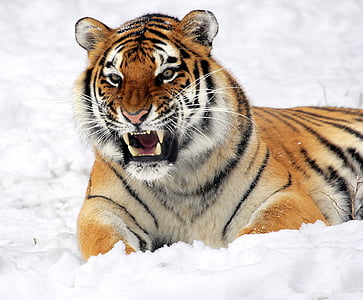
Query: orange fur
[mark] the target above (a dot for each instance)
(285, 213)
(96, 238)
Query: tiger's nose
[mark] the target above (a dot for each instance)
(135, 117)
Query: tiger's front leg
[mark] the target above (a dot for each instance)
(100, 227)
(289, 210)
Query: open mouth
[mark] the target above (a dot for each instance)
(150, 145)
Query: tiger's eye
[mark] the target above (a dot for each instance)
(115, 79)
(167, 74)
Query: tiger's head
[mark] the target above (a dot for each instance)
(152, 98)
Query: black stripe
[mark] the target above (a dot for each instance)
(159, 242)
(312, 163)
(184, 86)
(136, 23)
(159, 48)
(220, 177)
(135, 195)
(239, 92)
(346, 129)
(309, 119)
(164, 104)
(132, 37)
(197, 85)
(105, 82)
(288, 184)
(320, 117)
(255, 154)
(93, 127)
(338, 181)
(332, 177)
(183, 67)
(121, 207)
(87, 83)
(209, 80)
(158, 33)
(293, 162)
(171, 60)
(161, 18)
(184, 54)
(100, 105)
(180, 75)
(149, 20)
(137, 37)
(188, 105)
(265, 115)
(348, 111)
(155, 41)
(277, 115)
(191, 106)
(334, 124)
(262, 114)
(358, 215)
(133, 34)
(161, 26)
(101, 92)
(210, 94)
(356, 156)
(330, 146)
(102, 60)
(142, 242)
(184, 50)
(95, 84)
(97, 129)
(111, 107)
(247, 192)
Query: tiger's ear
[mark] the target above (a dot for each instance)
(89, 32)
(200, 25)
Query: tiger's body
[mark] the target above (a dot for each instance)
(181, 155)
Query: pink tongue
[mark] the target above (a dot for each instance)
(148, 141)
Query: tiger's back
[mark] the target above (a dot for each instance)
(321, 147)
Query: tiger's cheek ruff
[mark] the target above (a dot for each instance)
(90, 118)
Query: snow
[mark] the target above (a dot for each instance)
(285, 53)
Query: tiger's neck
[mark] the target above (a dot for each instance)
(205, 173)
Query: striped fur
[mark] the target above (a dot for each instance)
(180, 153)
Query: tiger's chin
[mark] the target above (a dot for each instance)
(149, 171)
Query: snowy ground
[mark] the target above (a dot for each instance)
(285, 53)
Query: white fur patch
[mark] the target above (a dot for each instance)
(148, 171)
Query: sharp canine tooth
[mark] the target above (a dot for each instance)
(158, 149)
(133, 151)
(126, 138)
(160, 136)
(148, 131)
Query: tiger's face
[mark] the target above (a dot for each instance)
(147, 99)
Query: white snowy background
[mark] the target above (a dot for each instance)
(284, 53)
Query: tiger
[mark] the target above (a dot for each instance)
(182, 155)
